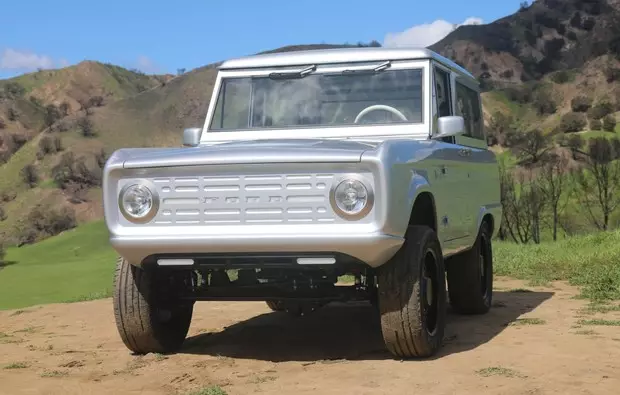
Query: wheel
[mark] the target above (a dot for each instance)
(275, 305)
(146, 320)
(470, 276)
(412, 296)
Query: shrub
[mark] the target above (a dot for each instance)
(507, 74)
(12, 114)
(2, 124)
(544, 101)
(609, 123)
(30, 175)
(589, 23)
(96, 101)
(58, 144)
(64, 108)
(2, 214)
(2, 252)
(8, 196)
(561, 29)
(86, 127)
(575, 21)
(596, 124)
(561, 77)
(581, 104)
(45, 221)
(46, 145)
(600, 110)
(612, 74)
(52, 114)
(572, 122)
(13, 89)
(572, 36)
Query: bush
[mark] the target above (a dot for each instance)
(13, 90)
(12, 114)
(575, 21)
(52, 114)
(86, 127)
(58, 144)
(609, 123)
(572, 36)
(2, 252)
(2, 214)
(581, 104)
(70, 172)
(46, 146)
(600, 110)
(44, 222)
(595, 124)
(507, 74)
(64, 108)
(8, 196)
(572, 122)
(562, 77)
(612, 74)
(561, 29)
(2, 124)
(588, 24)
(30, 175)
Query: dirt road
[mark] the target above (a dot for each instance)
(530, 343)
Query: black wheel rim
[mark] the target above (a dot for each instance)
(484, 266)
(430, 292)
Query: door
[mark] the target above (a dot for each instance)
(448, 182)
(478, 161)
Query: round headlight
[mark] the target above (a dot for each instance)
(351, 199)
(137, 203)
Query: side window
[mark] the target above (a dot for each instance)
(468, 106)
(442, 93)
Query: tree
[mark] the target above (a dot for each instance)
(52, 114)
(581, 104)
(30, 175)
(599, 181)
(596, 124)
(572, 122)
(46, 146)
(531, 147)
(2, 214)
(86, 127)
(64, 108)
(600, 110)
(553, 184)
(609, 123)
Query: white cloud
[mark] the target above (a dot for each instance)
(12, 59)
(146, 65)
(425, 34)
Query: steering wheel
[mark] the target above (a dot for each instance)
(379, 107)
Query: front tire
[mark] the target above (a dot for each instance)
(470, 276)
(412, 296)
(146, 321)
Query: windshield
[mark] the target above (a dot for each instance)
(318, 100)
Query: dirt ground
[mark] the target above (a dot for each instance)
(530, 343)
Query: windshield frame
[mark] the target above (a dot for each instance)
(420, 129)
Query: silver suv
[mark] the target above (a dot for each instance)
(312, 165)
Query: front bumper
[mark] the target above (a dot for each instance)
(373, 249)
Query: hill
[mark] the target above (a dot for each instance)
(551, 66)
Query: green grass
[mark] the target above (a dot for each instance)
(210, 390)
(74, 266)
(590, 262)
(599, 322)
(498, 371)
(16, 365)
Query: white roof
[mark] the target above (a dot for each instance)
(339, 55)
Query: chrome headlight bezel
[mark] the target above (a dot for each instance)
(154, 206)
(370, 197)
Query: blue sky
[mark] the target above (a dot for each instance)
(161, 36)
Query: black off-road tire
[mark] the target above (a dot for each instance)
(470, 276)
(413, 321)
(144, 321)
(275, 305)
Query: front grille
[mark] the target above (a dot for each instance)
(244, 200)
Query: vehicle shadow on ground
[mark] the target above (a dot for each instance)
(350, 332)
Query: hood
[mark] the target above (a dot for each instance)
(253, 151)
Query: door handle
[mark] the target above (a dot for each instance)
(465, 152)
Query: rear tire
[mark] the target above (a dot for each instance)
(470, 276)
(412, 296)
(145, 321)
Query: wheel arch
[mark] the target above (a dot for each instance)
(424, 211)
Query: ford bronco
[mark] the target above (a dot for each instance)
(312, 165)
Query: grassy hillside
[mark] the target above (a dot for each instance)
(73, 266)
(79, 265)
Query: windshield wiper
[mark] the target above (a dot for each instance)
(293, 74)
(370, 69)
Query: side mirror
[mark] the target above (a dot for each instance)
(191, 137)
(450, 126)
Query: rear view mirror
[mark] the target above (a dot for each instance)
(450, 126)
(191, 137)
